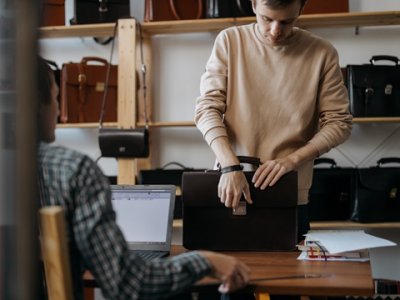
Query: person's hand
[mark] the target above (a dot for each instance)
(231, 187)
(233, 273)
(271, 171)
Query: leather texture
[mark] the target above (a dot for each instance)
(53, 13)
(168, 10)
(377, 194)
(374, 89)
(228, 9)
(100, 11)
(331, 192)
(269, 224)
(324, 6)
(124, 143)
(82, 90)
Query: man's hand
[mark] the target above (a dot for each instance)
(271, 171)
(231, 187)
(233, 273)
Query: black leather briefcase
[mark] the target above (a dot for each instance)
(269, 224)
(374, 90)
(331, 192)
(377, 193)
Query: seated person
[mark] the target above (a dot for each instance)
(72, 180)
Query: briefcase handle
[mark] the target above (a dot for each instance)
(323, 160)
(388, 160)
(376, 58)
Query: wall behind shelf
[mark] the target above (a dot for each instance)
(178, 62)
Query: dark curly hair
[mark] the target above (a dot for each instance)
(44, 80)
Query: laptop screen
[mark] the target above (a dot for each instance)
(145, 215)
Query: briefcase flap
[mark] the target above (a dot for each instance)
(380, 179)
(206, 194)
(94, 75)
(326, 181)
(374, 76)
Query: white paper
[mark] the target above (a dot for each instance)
(336, 241)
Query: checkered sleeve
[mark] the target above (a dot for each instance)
(120, 273)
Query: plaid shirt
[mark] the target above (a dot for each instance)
(72, 180)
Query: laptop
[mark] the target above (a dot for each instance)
(145, 216)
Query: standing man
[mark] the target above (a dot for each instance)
(273, 91)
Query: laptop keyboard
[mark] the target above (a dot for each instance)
(150, 255)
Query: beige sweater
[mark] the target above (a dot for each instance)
(271, 100)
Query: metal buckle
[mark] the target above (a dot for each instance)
(241, 210)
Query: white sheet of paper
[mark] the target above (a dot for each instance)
(336, 241)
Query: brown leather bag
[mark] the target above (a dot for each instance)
(166, 10)
(82, 90)
(326, 6)
(53, 13)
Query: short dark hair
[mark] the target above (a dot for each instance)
(44, 73)
(281, 3)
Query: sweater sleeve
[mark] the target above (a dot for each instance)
(211, 104)
(335, 120)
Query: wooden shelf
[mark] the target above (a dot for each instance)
(351, 225)
(377, 120)
(355, 19)
(169, 124)
(86, 125)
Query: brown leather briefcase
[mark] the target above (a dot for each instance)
(82, 90)
(326, 6)
(269, 224)
(53, 13)
(167, 10)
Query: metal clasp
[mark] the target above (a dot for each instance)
(388, 89)
(241, 210)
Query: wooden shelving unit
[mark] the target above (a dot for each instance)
(127, 57)
(356, 19)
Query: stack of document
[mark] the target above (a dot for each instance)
(339, 245)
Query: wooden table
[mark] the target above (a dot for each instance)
(337, 278)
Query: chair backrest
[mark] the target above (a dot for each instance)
(55, 253)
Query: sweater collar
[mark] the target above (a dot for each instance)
(289, 41)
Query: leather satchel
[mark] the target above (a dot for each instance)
(228, 9)
(100, 11)
(82, 89)
(269, 224)
(374, 90)
(167, 10)
(377, 193)
(124, 143)
(53, 13)
(331, 192)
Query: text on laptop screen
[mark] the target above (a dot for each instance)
(142, 214)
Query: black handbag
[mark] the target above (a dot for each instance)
(228, 8)
(374, 90)
(331, 192)
(377, 193)
(100, 11)
(121, 142)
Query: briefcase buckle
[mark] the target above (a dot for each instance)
(388, 89)
(241, 210)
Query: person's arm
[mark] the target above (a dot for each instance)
(120, 273)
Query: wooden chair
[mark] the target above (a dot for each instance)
(55, 253)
